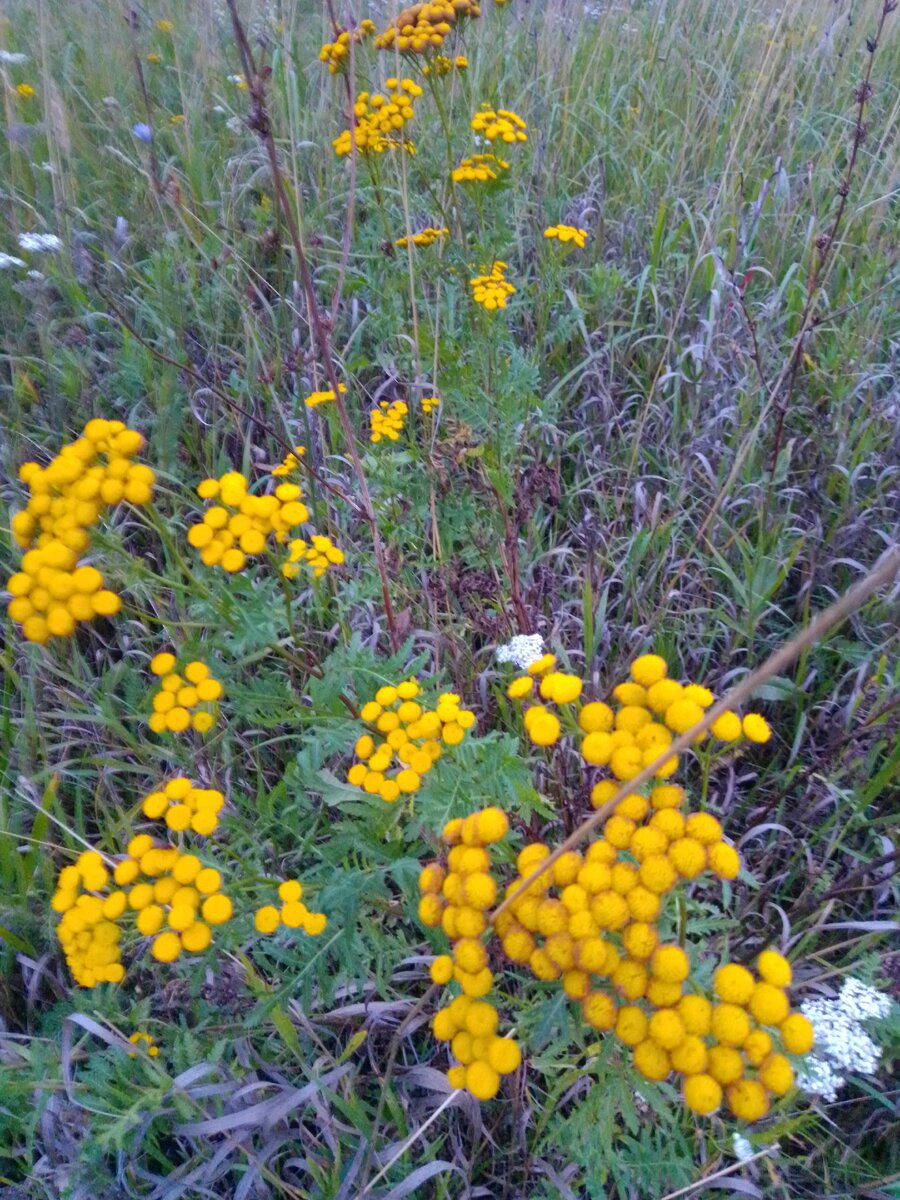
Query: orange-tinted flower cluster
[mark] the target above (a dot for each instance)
(174, 899)
(412, 739)
(183, 702)
(425, 237)
(502, 124)
(292, 914)
(422, 28)
(183, 805)
(456, 898)
(52, 593)
(442, 65)
(479, 168)
(387, 420)
(337, 53)
(379, 120)
(239, 526)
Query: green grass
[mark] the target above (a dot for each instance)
(601, 472)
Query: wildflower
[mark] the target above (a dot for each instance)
(442, 65)
(53, 591)
(25, 90)
(164, 25)
(39, 243)
(429, 403)
(181, 703)
(183, 805)
(522, 650)
(503, 124)
(314, 399)
(153, 58)
(239, 525)
(14, 59)
(425, 237)
(379, 119)
(387, 420)
(9, 260)
(142, 132)
(290, 462)
(567, 233)
(239, 82)
(493, 290)
(139, 1037)
(479, 168)
(337, 53)
(292, 915)
(422, 28)
(320, 553)
(841, 1044)
(177, 119)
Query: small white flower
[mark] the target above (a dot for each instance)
(10, 260)
(235, 124)
(742, 1148)
(35, 274)
(863, 1002)
(842, 1045)
(37, 243)
(523, 650)
(7, 56)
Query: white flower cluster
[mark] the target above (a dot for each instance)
(10, 260)
(37, 243)
(523, 650)
(841, 1045)
(7, 56)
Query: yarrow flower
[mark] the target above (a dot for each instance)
(425, 237)
(522, 650)
(493, 290)
(9, 260)
(842, 1045)
(387, 420)
(502, 124)
(566, 233)
(39, 243)
(14, 59)
(184, 702)
(479, 168)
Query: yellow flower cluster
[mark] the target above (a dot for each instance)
(25, 90)
(412, 737)
(292, 914)
(183, 805)
(378, 120)
(320, 553)
(425, 237)
(87, 932)
(421, 28)
(456, 898)
(429, 403)
(442, 65)
(492, 290)
(314, 399)
(650, 710)
(567, 233)
(183, 702)
(150, 1046)
(160, 884)
(720, 1046)
(239, 525)
(51, 592)
(502, 123)
(387, 420)
(479, 168)
(289, 463)
(337, 53)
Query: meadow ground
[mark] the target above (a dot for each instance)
(676, 436)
